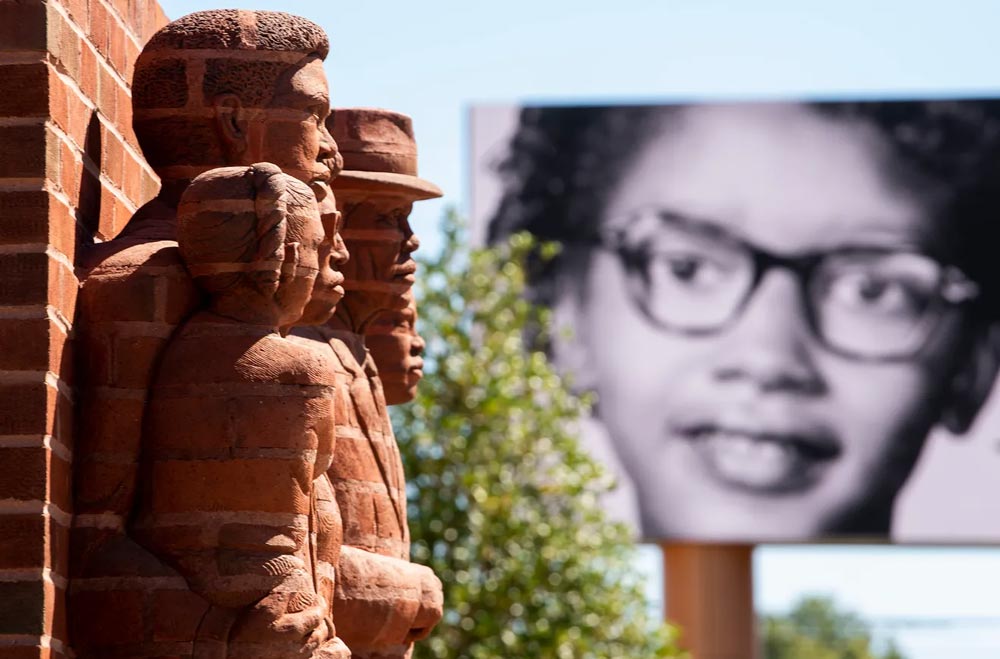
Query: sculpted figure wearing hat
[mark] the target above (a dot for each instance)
(390, 601)
(211, 89)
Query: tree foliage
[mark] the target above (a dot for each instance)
(503, 504)
(816, 629)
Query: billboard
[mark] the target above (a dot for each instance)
(788, 311)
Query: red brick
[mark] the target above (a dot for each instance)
(176, 614)
(22, 607)
(28, 87)
(29, 142)
(24, 473)
(69, 46)
(112, 156)
(116, 53)
(23, 25)
(70, 170)
(100, 24)
(88, 72)
(60, 491)
(150, 186)
(68, 110)
(25, 652)
(132, 180)
(63, 289)
(25, 279)
(59, 547)
(106, 224)
(113, 617)
(131, 55)
(24, 541)
(79, 12)
(23, 409)
(24, 345)
(113, 426)
(123, 120)
(134, 356)
(104, 486)
(62, 228)
(267, 485)
(24, 217)
(107, 92)
(134, 298)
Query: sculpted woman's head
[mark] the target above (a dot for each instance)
(774, 303)
(252, 239)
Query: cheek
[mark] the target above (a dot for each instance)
(292, 144)
(637, 368)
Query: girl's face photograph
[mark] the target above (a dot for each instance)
(767, 323)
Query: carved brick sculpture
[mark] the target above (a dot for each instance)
(397, 350)
(389, 601)
(211, 89)
(239, 429)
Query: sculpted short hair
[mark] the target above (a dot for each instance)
(191, 61)
(232, 217)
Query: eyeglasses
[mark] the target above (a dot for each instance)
(862, 302)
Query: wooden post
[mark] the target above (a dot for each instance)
(709, 595)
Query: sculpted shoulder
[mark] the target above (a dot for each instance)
(206, 352)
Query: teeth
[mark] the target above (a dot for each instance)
(749, 461)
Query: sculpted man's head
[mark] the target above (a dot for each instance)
(233, 87)
(251, 239)
(376, 191)
(398, 352)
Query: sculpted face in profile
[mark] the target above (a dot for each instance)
(398, 352)
(211, 89)
(376, 192)
(243, 480)
(231, 87)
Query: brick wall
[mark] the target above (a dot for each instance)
(70, 172)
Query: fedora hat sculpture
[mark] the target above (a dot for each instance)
(379, 152)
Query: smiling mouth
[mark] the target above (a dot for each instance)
(760, 460)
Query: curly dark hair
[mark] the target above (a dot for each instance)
(564, 162)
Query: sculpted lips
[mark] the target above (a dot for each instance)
(761, 456)
(405, 271)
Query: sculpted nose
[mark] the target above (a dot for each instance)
(417, 346)
(770, 347)
(410, 241)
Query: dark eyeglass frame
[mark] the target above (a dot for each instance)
(953, 289)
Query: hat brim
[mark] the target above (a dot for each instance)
(413, 187)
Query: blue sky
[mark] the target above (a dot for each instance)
(433, 59)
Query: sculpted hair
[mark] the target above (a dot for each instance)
(563, 164)
(191, 61)
(231, 216)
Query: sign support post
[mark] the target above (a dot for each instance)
(709, 595)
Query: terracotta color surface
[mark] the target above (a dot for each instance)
(397, 350)
(709, 595)
(235, 498)
(70, 168)
(390, 601)
(258, 77)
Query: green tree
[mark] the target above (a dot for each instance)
(816, 629)
(503, 502)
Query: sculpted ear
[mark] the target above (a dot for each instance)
(972, 385)
(231, 121)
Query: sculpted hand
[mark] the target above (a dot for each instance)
(431, 604)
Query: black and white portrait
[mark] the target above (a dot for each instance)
(788, 312)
